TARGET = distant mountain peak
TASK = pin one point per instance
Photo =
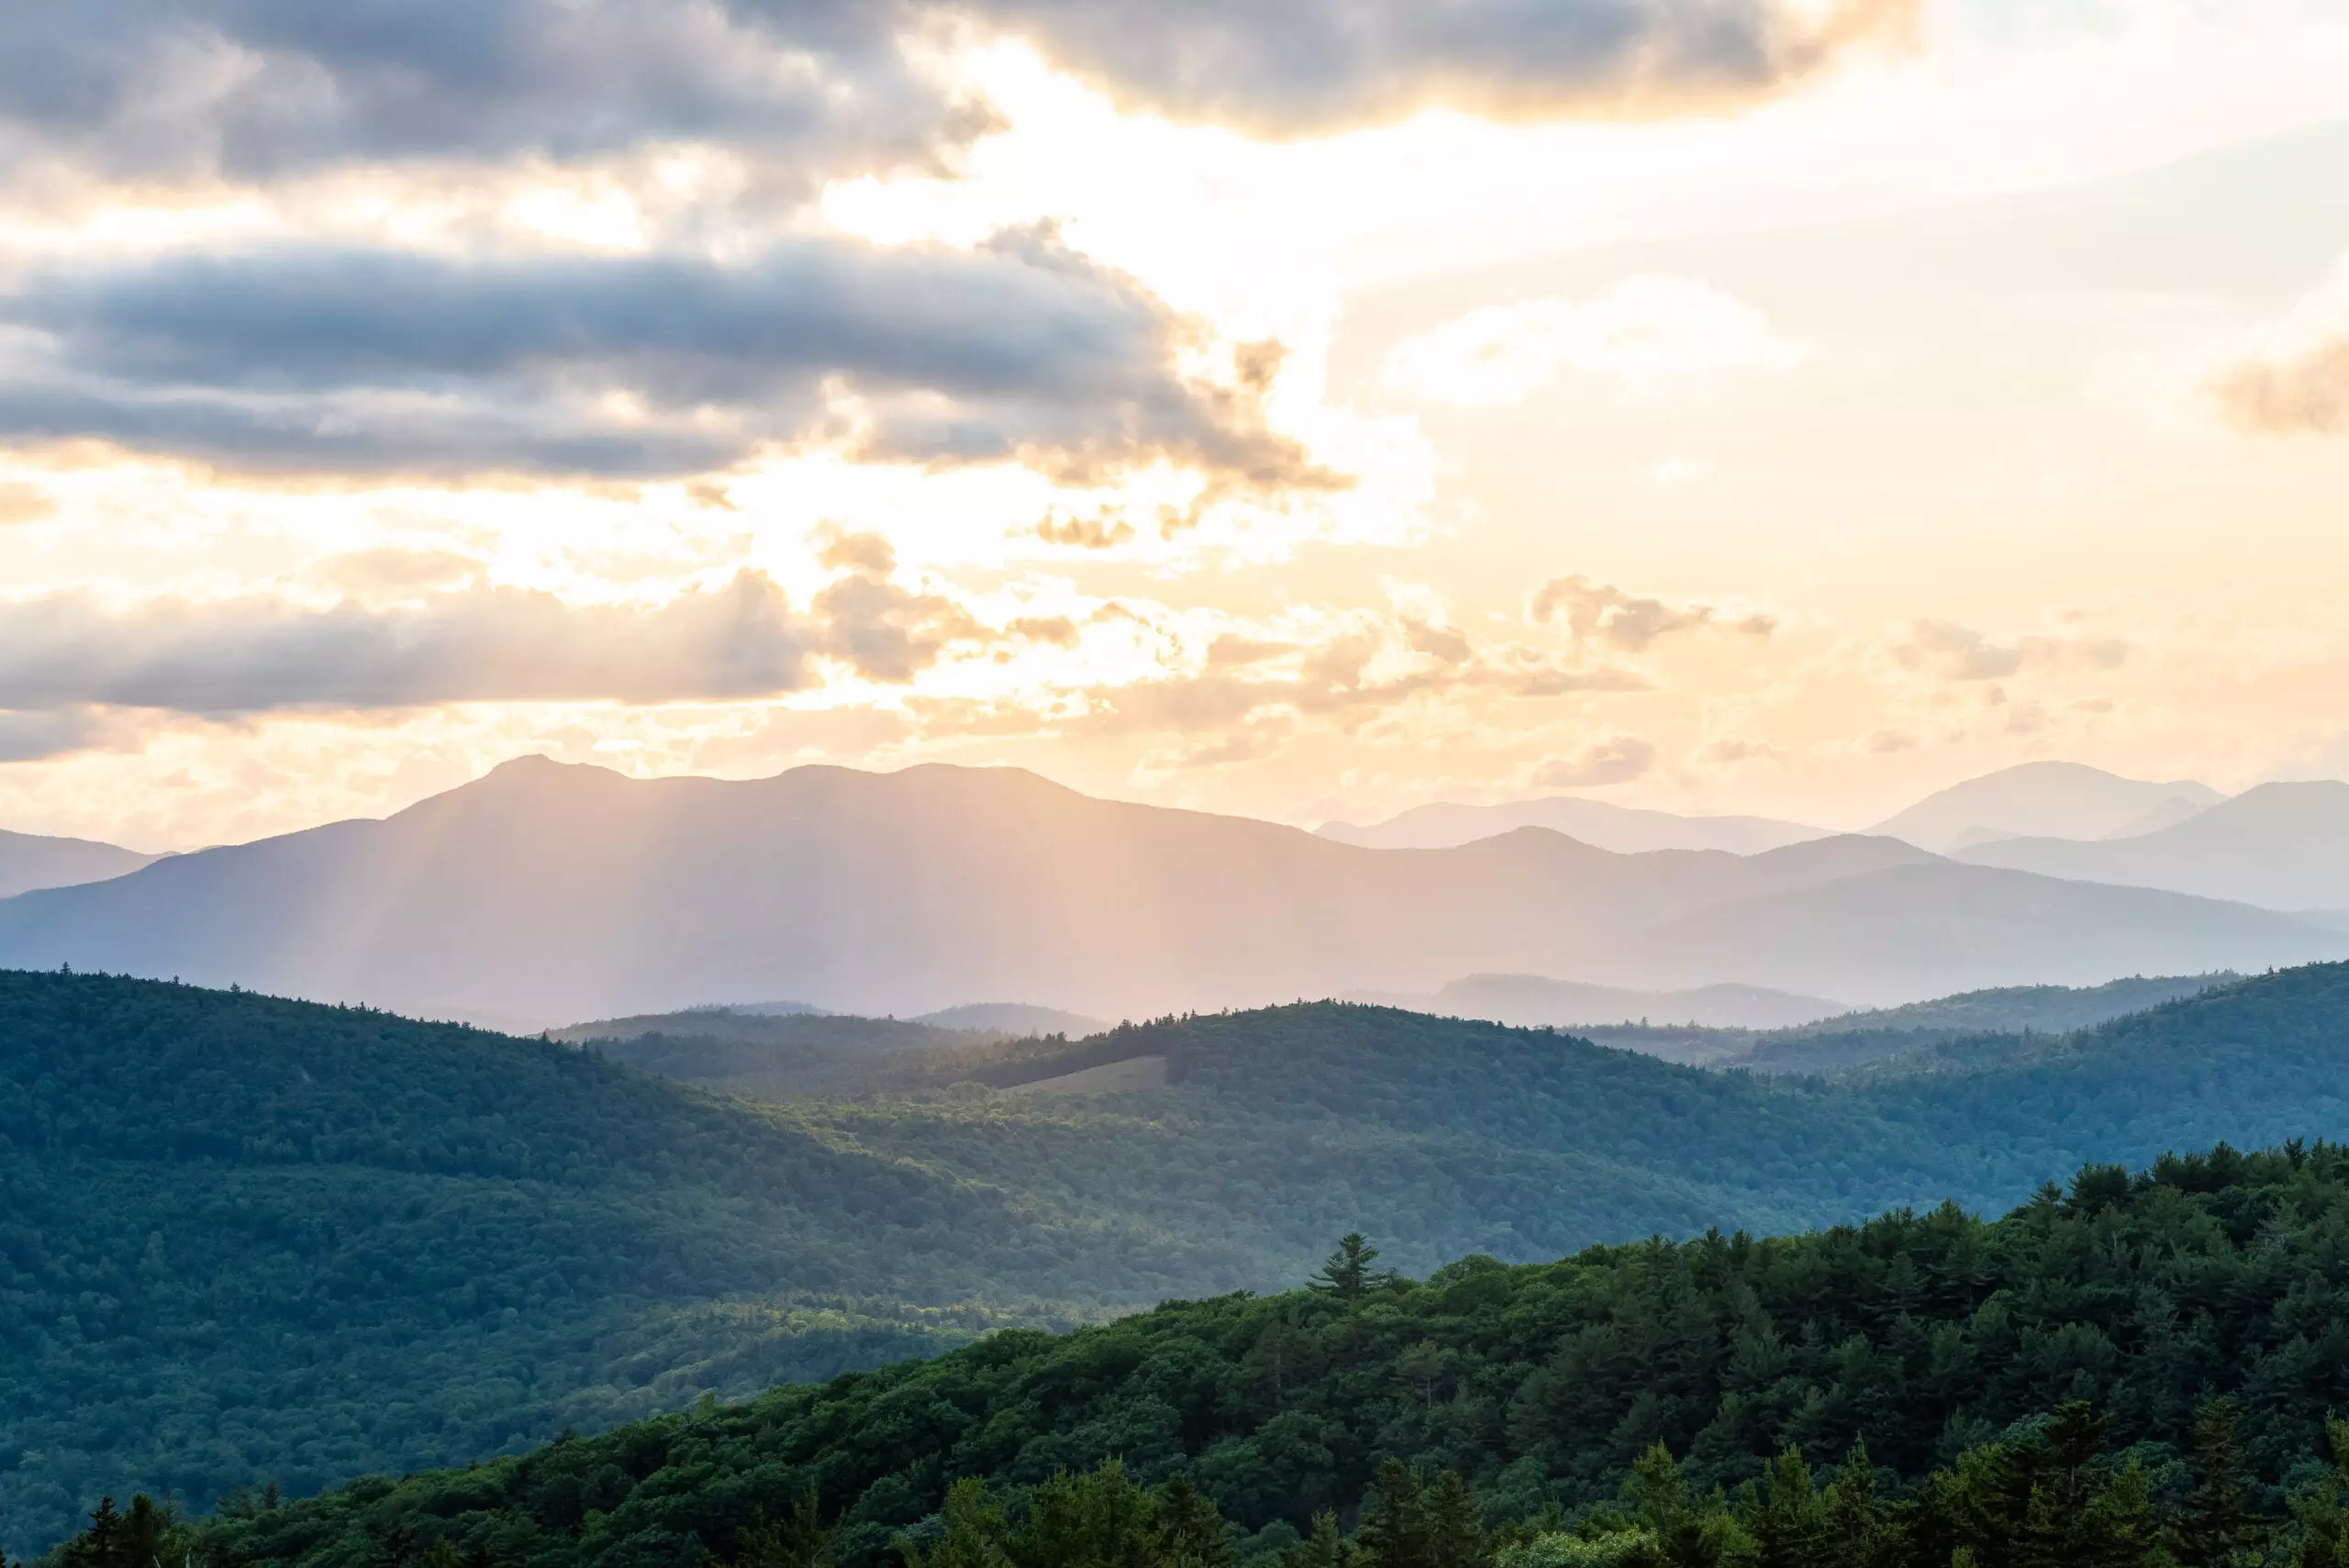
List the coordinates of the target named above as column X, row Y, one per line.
column 2048, row 798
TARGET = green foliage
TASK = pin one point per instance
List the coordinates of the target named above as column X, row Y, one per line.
column 2026, row 1390
column 249, row 1240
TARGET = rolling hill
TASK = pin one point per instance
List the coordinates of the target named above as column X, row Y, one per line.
column 251, row 1237
column 30, row 862
column 2061, row 800
column 1624, row 830
column 544, row 894
column 1947, row 1345
column 2285, row 846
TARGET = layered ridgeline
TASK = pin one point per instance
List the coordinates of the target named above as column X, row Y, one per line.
column 250, row 1239
column 30, row 862
column 544, row 894
column 1851, row 1040
column 2135, row 1371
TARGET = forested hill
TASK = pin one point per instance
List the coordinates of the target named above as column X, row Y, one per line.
column 246, row 1238
column 2069, row 1353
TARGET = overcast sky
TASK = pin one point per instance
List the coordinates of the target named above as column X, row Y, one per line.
column 1308, row 411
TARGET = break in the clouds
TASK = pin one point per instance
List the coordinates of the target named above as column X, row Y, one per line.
column 1648, row 334
column 1319, row 65
column 374, row 360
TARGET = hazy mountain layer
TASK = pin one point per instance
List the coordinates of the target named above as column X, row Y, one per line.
column 1535, row 1001
column 2062, row 800
column 546, row 894
column 1626, row 830
column 2282, row 845
column 28, row 861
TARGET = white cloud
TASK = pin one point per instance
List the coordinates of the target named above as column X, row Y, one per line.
column 1653, row 335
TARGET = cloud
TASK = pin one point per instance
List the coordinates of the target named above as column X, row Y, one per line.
column 37, row 736
column 883, row 631
column 1650, row 334
column 251, row 90
column 2294, row 380
column 340, row 361
column 1607, row 614
column 1310, row 66
column 24, row 503
column 2305, row 393
column 480, row 645
column 1961, row 653
column 1611, row 762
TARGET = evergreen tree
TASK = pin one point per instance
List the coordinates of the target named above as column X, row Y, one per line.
column 1393, row 1531
column 799, row 1540
column 1347, row 1274
column 1189, row 1532
column 1324, row 1547
column 2217, row 1530
column 1787, row 1516
column 1454, row 1524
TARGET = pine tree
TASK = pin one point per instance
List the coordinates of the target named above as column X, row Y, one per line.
column 1454, row 1524
column 1787, row 1519
column 1393, row 1531
column 1189, row 1530
column 2217, row 1530
column 1347, row 1274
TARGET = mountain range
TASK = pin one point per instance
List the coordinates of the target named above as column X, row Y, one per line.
column 2049, row 799
column 545, row 893
column 2285, row 846
column 1627, row 830
column 30, row 862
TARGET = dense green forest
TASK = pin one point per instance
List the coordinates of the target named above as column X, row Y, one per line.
column 2130, row 1366
column 248, row 1239
column 772, row 1055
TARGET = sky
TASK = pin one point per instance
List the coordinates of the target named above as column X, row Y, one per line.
column 1764, row 405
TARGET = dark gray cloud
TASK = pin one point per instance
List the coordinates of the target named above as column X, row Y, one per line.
column 255, row 89
column 67, row 662
column 318, row 359
column 62, row 654
column 1302, row 66
column 37, row 736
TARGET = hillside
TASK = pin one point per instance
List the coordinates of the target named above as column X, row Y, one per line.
column 252, row 1238
column 544, row 894
column 1852, row 1038
column 1623, row 830
column 769, row 1055
column 2060, row 800
column 1922, row 1335
column 436, row 1243
column 2285, row 846
column 28, row 861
